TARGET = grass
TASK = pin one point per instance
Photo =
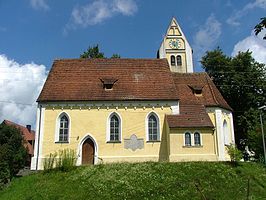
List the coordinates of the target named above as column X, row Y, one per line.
column 193, row 180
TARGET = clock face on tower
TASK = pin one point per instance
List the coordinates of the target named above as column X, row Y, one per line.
column 174, row 43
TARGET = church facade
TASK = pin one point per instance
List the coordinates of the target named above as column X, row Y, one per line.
column 133, row 110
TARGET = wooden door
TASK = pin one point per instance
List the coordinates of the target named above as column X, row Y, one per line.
column 88, row 152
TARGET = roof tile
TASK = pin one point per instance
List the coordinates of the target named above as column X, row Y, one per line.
column 81, row 79
column 210, row 94
column 190, row 116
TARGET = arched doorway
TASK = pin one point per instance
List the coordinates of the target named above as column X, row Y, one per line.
column 88, row 152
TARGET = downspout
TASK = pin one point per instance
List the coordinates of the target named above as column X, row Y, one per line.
column 39, row 132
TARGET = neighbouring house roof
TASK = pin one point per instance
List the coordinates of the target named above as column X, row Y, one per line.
column 187, row 83
column 28, row 135
column 132, row 79
column 190, row 116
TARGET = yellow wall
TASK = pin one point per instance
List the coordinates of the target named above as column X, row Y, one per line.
column 180, row 51
column 94, row 123
column 182, row 68
column 180, row 152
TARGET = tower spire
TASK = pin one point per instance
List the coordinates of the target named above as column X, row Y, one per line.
column 176, row 49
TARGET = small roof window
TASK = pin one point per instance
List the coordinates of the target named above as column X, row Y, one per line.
column 196, row 89
column 108, row 83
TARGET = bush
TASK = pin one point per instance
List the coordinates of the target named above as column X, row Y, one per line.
column 12, row 153
column 64, row 161
column 49, row 163
column 4, row 174
column 234, row 153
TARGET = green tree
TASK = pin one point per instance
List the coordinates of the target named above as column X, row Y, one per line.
column 115, row 55
column 242, row 82
column 92, row 52
column 260, row 26
column 12, row 153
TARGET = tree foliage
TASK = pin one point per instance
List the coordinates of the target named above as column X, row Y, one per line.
column 12, row 153
column 92, row 52
column 242, row 82
column 260, row 26
column 115, row 55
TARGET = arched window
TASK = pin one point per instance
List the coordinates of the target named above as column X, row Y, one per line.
column 63, row 128
column 197, row 141
column 114, row 128
column 173, row 60
column 178, row 60
column 153, row 127
column 226, row 133
column 187, row 139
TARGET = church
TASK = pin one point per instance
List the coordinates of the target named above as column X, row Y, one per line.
column 133, row 110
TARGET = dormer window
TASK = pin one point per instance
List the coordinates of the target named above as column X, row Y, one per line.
column 108, row 86
column 108, row 83
column 196, row 89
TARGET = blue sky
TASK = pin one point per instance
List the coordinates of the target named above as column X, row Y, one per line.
column 39, row 32
column 35, row 32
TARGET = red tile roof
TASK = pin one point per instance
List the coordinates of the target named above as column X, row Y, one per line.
column 193, row 106
column 185, row 83
column 135, row 79
column 190, row 116
column 28, row 136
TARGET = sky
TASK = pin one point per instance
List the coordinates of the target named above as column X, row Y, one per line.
column 33, row 33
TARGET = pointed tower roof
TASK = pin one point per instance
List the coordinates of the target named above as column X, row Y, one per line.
column 174, row 35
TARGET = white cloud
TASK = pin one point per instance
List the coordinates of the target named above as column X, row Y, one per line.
column 39, row 4
column 98, row 11
column 20, row 86
column 207, row 36
column 234, row 19
column 255, row 44
column 125, row 7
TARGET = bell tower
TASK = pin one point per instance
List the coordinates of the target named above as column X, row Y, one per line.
column 176, row 49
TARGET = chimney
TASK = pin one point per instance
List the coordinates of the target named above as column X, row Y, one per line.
column 28, row 127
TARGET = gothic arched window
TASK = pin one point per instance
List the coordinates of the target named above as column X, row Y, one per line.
column 187, row 139
column 178, row 60
column 114, row 125
column 62, row 133
column 153, row 127
column 173, row 60
column 197, row 139
column 226, row 133
column 114, row 128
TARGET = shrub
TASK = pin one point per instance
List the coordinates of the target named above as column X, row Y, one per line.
column 64, row 160
column 49, row 163
column 4, row 174
column 12, row 153
column 234, row 153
